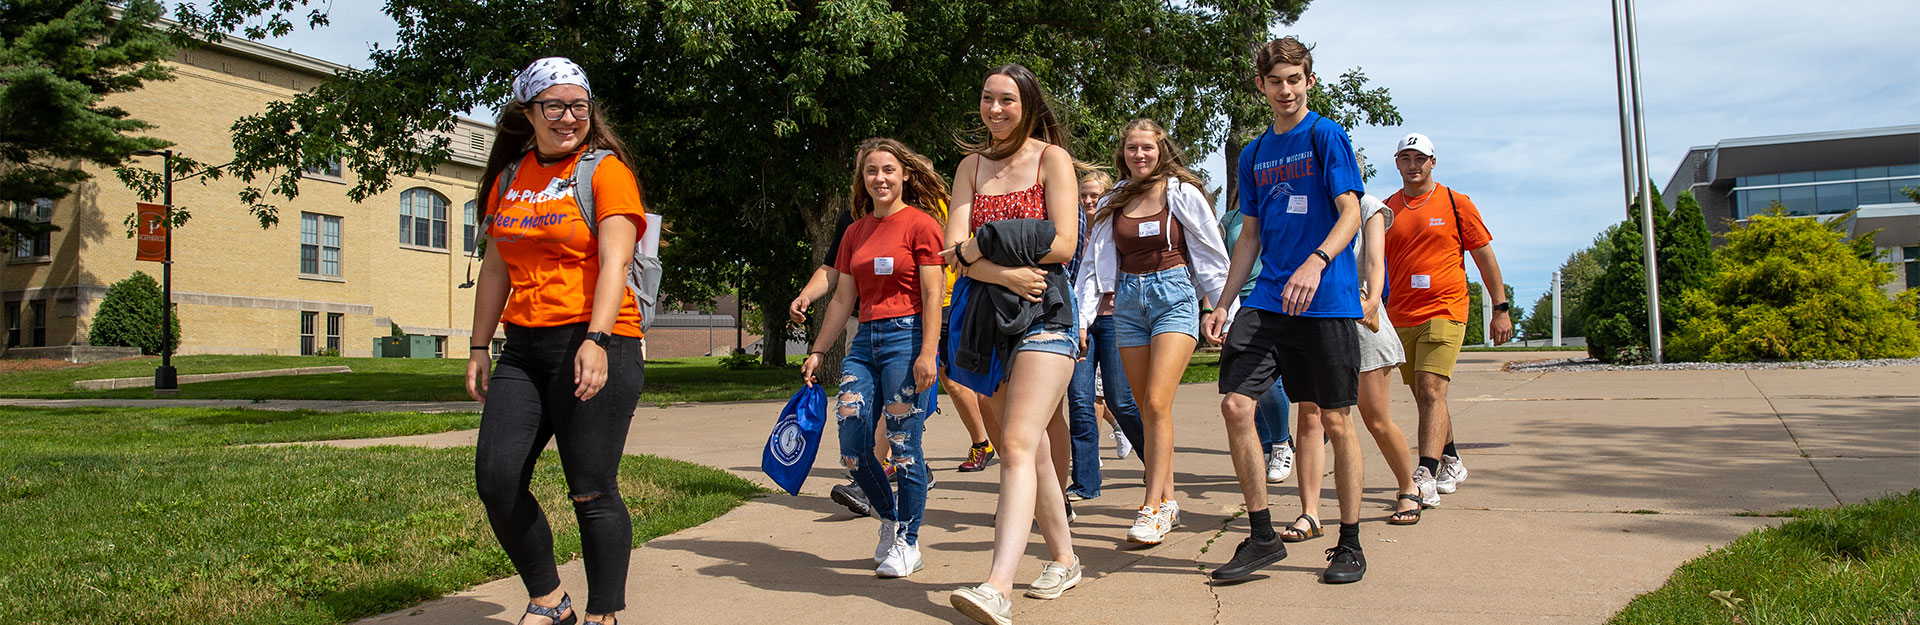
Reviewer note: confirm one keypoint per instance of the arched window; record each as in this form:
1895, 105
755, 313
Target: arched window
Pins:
423, 218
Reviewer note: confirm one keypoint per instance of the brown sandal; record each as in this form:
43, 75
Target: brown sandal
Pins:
1292, 534
1406, 517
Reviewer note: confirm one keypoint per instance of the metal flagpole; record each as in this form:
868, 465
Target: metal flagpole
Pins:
1646, 188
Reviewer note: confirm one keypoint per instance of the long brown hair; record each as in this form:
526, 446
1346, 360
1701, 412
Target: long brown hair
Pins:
922, 187
513, 137
1170, 165
1037, 119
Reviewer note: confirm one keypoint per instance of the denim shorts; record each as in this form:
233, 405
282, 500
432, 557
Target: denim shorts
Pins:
1150, 304
1053, 338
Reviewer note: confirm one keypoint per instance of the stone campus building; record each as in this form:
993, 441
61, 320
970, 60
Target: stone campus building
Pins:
333, 275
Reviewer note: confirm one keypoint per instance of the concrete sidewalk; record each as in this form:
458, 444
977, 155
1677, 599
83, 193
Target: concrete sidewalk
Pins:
1586, 489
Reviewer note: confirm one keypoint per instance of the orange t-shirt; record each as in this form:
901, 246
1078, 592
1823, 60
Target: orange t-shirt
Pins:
553, 261
1426, 271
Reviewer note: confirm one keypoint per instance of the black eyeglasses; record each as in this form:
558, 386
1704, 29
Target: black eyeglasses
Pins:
553, 109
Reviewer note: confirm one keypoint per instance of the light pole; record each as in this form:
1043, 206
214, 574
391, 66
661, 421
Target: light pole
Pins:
166, 381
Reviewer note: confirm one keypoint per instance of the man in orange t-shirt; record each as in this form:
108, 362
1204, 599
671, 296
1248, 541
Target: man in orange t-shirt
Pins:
1434, 229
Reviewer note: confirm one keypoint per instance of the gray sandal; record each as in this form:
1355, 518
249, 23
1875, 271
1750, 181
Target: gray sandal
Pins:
553, 613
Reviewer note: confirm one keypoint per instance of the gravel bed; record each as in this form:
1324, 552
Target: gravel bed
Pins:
1589, 364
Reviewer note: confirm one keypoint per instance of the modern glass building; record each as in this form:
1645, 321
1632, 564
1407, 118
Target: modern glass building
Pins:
1821, 175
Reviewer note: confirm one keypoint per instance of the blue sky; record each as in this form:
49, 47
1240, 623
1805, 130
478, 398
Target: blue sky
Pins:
1519, 96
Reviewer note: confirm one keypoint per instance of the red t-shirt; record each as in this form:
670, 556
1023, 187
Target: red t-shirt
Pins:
1426, 274
884, 257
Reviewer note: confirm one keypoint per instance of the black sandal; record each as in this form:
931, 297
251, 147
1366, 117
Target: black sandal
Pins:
1292, 534
553, 613
1401, 517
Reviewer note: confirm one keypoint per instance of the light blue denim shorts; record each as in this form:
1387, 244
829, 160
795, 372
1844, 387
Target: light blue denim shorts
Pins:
1149, 304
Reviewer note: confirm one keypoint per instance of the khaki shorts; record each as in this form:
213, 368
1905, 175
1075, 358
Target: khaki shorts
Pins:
1432, 346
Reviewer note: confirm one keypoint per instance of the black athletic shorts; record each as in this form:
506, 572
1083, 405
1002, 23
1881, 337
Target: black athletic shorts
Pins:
1317, 359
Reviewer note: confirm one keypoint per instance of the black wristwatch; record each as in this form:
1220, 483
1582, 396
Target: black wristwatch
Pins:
600, 338
1503, 307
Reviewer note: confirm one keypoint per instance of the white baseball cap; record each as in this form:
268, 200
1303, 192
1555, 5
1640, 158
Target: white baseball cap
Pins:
1416, 142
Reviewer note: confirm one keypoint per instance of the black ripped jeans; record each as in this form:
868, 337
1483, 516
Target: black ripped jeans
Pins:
529, 402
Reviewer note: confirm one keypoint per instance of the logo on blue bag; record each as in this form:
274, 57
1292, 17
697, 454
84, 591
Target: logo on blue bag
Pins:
788, 442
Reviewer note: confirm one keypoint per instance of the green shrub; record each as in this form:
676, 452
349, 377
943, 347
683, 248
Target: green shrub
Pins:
1614, 307
129, 316
740, 361
1793, 288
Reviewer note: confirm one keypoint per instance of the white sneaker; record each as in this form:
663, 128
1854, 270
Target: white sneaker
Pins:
1121, 446
889, 534
1279, 463
1147, 528
1169, 514
902, 560
1452, 473
1055, 580
984, 604
1424, 482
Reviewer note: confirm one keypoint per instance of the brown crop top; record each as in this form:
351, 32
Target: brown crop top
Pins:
1148, 244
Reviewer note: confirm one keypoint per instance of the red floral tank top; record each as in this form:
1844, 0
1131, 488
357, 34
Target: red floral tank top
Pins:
1028, 204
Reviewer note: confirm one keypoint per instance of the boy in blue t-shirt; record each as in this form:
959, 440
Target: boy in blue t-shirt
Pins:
1300, 199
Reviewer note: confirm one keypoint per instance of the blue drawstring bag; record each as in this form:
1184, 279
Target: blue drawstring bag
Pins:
796, 439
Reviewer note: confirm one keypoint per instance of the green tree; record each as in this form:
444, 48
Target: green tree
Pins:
1795, 289
58, 59
1615, 305
1539, 323
129, 316
1577, 274
745, 114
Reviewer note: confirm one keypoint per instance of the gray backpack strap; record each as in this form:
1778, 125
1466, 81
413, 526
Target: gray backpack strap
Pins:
583, 186
504, 182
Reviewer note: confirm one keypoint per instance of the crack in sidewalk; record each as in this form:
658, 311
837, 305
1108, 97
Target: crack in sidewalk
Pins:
1796, 439
1202, 568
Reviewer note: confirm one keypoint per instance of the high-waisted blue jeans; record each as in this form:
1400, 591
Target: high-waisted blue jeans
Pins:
876, 382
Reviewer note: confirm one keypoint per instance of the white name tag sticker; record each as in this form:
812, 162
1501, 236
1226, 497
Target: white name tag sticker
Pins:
1149, 229
1297, 204
1422, 282
883, 265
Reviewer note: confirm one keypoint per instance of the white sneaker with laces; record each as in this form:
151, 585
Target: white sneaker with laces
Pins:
902, 560
889, 534
1279, 463
1169, 515
1424, 482
1054, 580
1147, 528
1452, 473
1121, 446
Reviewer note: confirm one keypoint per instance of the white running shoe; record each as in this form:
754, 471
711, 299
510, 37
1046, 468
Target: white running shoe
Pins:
1169, 514
1424, 482
1452, 473
902, 560
889, 534
1147, 527
1279, 463
984, 604
1121, 446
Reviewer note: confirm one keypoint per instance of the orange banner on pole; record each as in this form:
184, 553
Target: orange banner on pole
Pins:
150, 232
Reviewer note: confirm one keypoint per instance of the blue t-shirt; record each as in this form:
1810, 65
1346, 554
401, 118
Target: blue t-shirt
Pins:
1288, 182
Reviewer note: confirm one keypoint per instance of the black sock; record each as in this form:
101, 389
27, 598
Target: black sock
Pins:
1432, 465
1350, 535
1262, 522
1451, 450
981, 445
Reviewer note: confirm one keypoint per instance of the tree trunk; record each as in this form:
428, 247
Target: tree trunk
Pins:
821, 232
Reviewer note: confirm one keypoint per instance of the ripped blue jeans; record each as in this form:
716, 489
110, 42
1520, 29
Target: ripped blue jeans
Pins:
876, 382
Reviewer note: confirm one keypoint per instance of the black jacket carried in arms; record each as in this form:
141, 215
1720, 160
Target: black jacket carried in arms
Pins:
995, 318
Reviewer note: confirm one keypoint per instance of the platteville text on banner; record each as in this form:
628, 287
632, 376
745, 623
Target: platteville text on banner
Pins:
150, 232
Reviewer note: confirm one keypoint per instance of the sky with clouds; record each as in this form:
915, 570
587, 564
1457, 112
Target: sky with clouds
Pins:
1519, 97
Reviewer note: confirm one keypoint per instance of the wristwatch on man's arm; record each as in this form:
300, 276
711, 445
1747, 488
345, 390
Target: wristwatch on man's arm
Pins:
1502, 307
600, 338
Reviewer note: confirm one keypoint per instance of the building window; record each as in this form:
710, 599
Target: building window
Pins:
439, 347
423, 218
334, 321
1910, 257
325, 167
496, 347
14, 324
470, 226
39, 245
307, 319
319, 244
39, 308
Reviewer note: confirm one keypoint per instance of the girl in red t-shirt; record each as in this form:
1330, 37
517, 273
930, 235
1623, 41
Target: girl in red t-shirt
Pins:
891, 253
572, 368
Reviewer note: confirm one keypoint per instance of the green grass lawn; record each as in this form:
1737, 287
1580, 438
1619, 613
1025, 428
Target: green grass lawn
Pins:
669, 380
1852, 564
118, 515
